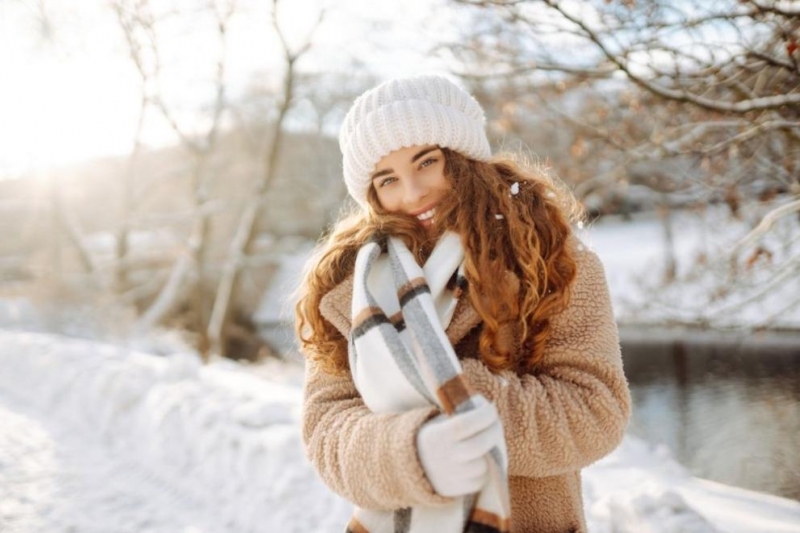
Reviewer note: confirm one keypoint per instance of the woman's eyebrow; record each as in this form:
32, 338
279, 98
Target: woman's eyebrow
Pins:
413, 159
423, 152
382, 173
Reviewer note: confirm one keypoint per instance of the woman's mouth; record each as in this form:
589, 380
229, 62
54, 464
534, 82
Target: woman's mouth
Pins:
427, 216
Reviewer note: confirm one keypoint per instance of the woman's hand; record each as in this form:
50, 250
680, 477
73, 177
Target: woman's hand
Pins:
452, 449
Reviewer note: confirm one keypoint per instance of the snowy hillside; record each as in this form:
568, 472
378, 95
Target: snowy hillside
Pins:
96, 438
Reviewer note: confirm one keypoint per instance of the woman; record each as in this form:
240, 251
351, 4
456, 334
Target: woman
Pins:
463, 364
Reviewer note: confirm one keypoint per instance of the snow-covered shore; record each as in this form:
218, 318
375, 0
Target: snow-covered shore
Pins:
762, 295
99, 438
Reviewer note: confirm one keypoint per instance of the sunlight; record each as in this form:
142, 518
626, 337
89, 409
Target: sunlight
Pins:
75, 95
65, 103
59, 113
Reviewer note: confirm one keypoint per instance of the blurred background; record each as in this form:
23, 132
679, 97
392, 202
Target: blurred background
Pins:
167, 166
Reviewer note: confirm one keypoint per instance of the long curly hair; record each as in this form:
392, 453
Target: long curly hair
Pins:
511, 216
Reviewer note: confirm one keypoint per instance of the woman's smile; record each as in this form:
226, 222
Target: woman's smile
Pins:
426, 217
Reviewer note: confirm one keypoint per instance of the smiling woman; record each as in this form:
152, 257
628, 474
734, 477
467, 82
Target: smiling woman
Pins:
411, 181
463, 362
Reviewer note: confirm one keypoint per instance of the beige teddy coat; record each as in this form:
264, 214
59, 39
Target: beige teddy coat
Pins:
572, 411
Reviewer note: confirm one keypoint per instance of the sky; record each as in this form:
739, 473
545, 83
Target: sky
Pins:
74, 94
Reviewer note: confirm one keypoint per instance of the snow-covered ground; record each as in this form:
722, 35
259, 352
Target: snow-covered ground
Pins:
99, 438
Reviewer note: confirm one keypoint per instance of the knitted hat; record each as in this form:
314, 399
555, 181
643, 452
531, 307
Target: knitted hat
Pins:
404, 112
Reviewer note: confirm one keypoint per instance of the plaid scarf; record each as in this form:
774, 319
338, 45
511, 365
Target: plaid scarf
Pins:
401, 359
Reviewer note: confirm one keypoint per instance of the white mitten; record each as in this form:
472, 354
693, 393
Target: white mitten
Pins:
452, 449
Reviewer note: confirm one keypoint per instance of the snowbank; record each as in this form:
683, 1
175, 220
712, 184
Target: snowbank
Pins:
230, 442
226, 440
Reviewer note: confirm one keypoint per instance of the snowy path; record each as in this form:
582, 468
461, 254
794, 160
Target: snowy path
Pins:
52, 479
97, 438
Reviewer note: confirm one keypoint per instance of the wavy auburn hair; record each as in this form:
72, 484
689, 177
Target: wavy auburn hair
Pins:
511, 217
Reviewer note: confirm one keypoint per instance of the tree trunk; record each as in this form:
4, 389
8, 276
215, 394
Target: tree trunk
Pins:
670, 263
126, 201
247, 228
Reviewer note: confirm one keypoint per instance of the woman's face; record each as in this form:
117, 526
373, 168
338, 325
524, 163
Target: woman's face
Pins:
411, 181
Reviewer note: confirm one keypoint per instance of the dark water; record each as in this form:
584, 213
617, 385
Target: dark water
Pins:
728, 406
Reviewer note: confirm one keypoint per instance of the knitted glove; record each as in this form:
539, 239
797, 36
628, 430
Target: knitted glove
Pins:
452, 449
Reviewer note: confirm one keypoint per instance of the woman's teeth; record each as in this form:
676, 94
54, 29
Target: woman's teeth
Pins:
427, 214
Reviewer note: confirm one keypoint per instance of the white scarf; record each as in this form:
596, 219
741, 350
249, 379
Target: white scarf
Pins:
399, 315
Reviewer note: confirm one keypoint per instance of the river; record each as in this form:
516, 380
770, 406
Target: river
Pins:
727, 405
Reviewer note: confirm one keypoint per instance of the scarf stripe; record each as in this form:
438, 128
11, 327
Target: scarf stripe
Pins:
372, 318
479, 516
453, 393
438, 354
354, 526
402, 520
368, 319
411, 290
407, 366
387, 334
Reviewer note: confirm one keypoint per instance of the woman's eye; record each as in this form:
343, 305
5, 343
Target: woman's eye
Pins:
386, 181
428, 162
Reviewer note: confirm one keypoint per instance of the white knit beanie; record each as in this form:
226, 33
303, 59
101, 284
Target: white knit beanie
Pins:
404, 112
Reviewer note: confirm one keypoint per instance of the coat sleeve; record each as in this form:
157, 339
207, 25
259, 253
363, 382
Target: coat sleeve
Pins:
369, 459
574, 409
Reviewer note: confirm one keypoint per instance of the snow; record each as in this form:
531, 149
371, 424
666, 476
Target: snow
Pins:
103, 438
641, 488
148, 444
274, 306
704, 293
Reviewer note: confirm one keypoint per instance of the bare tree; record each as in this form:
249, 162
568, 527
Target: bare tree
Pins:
40, 13
197, 265
246, 230
719, 82
695, 101
139, 25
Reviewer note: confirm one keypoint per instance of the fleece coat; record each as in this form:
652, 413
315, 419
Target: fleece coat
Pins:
564, 416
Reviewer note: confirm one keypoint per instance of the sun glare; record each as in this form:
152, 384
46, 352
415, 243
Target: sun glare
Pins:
74, 94
59, 107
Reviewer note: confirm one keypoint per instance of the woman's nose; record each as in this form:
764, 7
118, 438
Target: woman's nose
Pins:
414, 192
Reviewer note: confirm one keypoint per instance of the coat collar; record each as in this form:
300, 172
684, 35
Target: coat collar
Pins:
335, 307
